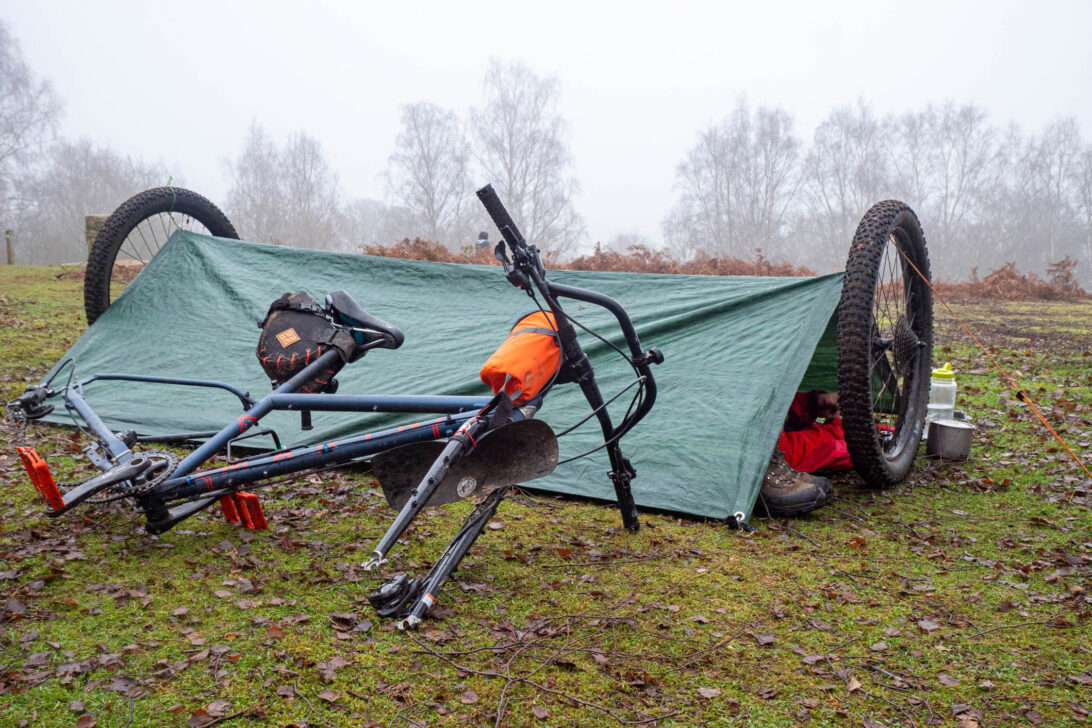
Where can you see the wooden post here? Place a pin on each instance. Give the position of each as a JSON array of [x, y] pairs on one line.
[[92, 224], [9, 236]]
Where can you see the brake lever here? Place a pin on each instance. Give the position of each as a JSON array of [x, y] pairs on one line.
[[514, 275]]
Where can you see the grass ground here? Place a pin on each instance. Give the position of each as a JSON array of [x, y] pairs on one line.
[[960, 597]]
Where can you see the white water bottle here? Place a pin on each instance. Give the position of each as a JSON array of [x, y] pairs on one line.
[[942, 393]]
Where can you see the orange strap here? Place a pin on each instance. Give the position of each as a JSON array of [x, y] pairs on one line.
[[1019, 392]]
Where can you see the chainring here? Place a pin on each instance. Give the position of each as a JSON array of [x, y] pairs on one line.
[[163, 464]]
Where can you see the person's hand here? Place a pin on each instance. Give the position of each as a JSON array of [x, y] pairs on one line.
[[826, 405]]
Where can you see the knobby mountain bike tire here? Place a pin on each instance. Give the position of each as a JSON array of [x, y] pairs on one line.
[[885, 343], [135, 232]]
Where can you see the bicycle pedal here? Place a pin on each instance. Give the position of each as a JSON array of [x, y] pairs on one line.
[[251, 511], [41, 477], [231, 513]]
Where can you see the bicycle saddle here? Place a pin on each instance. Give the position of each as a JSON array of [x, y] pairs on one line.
[[376, 332]]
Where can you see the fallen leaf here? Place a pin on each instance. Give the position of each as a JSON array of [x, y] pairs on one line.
[[86, 721], [218, 708], [709, 693], [946, 679], [330, 696], [437, 635], [198, 718], [37, 659], [765, 639], [928, 625], [853, 685]]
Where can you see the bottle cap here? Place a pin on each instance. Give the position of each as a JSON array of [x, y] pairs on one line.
[[944, 372]]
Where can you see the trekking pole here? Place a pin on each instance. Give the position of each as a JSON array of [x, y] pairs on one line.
[[461, 443], [453, 554]]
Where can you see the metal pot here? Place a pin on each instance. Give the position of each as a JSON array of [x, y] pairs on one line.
[[949, 439]]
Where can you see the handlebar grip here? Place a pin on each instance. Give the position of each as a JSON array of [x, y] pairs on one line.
[[504, 222]]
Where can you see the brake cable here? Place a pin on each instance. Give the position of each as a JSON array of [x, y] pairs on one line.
[[638, 396]]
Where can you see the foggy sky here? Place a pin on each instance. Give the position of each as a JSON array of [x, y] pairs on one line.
[[181, 82]]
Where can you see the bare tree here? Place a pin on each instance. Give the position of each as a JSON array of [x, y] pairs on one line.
[[287, 195], [1059, 154], [1082, 188], [775, 151], [256, 200], [961, 154], [736, 185], [77, 179], [29, 112], [846, 171], [311, 193], [702, 221], [906, 143], [428, 172], [520, 144]]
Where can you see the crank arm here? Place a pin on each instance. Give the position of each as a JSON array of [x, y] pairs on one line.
[[60, 503]]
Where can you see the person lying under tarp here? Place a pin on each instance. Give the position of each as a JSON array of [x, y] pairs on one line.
[[806, 446]]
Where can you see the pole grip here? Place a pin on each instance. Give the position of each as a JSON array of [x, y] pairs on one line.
[[504, 222]]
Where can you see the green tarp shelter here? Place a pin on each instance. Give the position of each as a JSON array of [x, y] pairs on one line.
[[736, 348]]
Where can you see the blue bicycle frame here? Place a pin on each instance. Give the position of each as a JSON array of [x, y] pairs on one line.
[[203, 488]]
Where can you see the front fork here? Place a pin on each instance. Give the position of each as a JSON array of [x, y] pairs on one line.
[[621, 471]]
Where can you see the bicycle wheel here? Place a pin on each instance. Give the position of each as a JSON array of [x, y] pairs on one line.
[[135, 232], [885, 343]]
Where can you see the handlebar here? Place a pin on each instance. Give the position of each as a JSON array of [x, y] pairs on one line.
[[504, 222], [526, 270]]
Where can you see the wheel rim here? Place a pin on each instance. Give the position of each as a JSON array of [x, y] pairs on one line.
[[898, 337], [143, 242]]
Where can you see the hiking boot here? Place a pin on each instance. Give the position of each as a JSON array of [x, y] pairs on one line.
[[786, 492]]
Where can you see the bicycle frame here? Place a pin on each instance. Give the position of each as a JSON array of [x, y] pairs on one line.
[[464, 425], [208, 486]]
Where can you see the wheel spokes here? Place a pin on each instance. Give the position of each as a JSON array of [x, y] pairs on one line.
[[894, 343], [141, 245]]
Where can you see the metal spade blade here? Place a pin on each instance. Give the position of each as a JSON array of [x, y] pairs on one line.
[[515, 453], [518, 452], [400, 470]]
